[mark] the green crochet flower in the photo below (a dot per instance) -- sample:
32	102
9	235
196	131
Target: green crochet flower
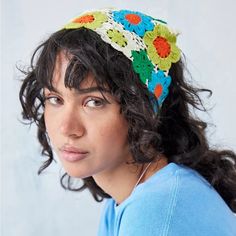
142	65
161	47
117	37
91	20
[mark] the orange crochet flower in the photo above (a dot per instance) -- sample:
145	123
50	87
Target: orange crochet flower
161	47
84	19
91	20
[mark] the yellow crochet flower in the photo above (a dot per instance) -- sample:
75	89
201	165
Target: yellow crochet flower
90	20
117	37
161	47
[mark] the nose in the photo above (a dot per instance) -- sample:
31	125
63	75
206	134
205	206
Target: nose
71	124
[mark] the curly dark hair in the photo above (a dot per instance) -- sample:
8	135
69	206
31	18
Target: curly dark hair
174	131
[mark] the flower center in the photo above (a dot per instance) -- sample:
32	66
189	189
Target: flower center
158	90
133	18
162	46
84	19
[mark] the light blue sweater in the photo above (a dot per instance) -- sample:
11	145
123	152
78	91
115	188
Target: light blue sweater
175	201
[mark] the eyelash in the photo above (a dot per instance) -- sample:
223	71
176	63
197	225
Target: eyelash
48	99
102	102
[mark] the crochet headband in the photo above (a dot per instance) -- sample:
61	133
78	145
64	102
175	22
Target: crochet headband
146	41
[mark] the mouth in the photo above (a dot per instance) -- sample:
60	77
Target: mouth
72	154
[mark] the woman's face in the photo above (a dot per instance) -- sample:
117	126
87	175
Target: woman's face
88	134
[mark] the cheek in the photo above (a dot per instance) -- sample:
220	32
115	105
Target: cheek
47	119
113	133
50	124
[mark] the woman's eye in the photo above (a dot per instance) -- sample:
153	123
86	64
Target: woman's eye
92	102
53	100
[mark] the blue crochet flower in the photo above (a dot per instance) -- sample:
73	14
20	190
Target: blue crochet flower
134	21
159	85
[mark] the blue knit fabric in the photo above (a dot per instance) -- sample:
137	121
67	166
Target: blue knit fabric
175	201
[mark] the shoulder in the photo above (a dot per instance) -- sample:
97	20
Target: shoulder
176	200
152	203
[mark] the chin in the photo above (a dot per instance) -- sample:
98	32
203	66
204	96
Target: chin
77	174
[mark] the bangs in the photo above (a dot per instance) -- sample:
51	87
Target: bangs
83	60
89	55
77	72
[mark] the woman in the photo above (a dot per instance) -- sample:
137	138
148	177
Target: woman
108	95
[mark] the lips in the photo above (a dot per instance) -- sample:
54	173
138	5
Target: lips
72	154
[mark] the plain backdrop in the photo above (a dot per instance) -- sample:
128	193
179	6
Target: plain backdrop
37	205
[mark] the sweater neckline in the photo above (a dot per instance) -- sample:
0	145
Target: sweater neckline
169	168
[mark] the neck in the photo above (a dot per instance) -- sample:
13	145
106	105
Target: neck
119	184
115	182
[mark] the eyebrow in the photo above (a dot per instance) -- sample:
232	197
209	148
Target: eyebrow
92	89
84	90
